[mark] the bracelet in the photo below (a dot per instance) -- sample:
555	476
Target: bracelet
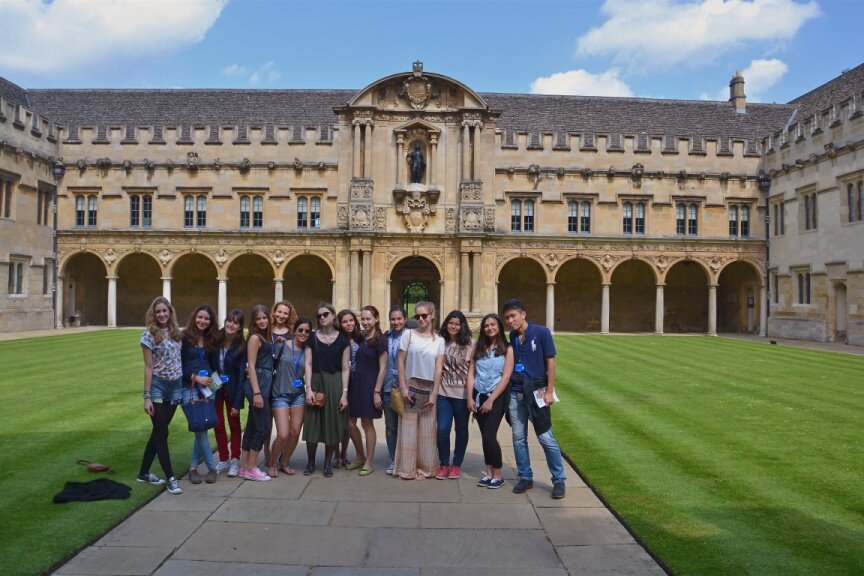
146	395
377	391
344	389
256	394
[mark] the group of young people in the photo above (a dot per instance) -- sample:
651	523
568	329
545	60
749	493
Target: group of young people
330	384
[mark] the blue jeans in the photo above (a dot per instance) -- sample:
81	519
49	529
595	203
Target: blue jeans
450	410
519	421
391	423
201	451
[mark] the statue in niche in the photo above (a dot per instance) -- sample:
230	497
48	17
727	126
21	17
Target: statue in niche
417	162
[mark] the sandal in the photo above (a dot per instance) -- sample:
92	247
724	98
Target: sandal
364	471
286	469
355	464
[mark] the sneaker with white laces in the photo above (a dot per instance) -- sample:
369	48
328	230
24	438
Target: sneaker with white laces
233	467
256	475
150	478
391	468
495	484
174	486
484	482
223	466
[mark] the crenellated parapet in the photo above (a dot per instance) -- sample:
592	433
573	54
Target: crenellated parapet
25	132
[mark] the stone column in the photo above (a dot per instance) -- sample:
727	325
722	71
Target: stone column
550	306
604	310
60	283
332	291
400	159
466	151
433	157
354	278
441	302
387	300
475	292
367	152
358	166
712	309
166	287
763	311
112	301
366	291
658	310
497	311
222	306
277	290
465	282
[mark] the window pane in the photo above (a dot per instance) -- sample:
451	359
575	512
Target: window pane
806	212
10	289
528	221
244	211
301	212
850	201
188	211
640	218
134	210
19	280
860	202
692	226
315	216
628	218
79	211
800	288
586	217
516	215
201	213
813	206
679	219
148	211
91	210
733	221
257	212
745	221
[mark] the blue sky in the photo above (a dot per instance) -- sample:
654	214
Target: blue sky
686	49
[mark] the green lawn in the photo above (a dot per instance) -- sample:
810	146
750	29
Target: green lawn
64	398
723	456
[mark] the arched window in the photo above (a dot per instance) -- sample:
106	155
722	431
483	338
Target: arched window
147	210
79	211
413	293
850	201
134	210
640	218
315	213
244	212
680	219
745	221
733	221
302	212
91	211
628	218
807	212
692	220
516	215
585	221
528	220
572	216
257	212
201	212
188	211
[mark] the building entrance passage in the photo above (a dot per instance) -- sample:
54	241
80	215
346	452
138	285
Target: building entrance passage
415	279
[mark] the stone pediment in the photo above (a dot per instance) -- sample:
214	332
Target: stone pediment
417	91
417	125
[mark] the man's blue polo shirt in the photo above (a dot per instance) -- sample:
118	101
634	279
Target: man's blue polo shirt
533	352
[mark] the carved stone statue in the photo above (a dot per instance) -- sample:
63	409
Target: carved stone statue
417	163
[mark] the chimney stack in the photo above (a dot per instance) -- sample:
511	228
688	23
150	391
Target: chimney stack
736	93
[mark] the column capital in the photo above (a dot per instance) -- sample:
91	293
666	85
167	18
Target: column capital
167	278
660	284
550	283
278	280
222	279
112	277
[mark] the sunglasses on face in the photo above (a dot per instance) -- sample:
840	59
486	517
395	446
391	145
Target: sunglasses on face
324	314
421	316
302	331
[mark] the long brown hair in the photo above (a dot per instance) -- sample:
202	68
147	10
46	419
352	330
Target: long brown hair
355	335
484	344
374	311
152	327
192	334
253	324
239	340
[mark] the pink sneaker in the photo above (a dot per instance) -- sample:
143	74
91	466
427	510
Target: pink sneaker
455	472
442	473
243	473
257	475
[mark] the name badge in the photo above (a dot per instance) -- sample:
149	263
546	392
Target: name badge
394	371
298	383
519	367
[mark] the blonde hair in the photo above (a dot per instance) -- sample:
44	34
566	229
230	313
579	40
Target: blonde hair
292	314
431	308
153	327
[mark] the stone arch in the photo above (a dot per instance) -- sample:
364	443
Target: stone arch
632	296
139	281
409	272
739	297
85	290
578	296
655	273
402	257
172	265
524	278
307	281
685	297
194	282
250	282
501	264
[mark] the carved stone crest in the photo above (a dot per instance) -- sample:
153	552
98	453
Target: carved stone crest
415	214
361	189
471	219
489	220
417	90
380	222
472	190
361	217
110	256
342	217
450	220
608	261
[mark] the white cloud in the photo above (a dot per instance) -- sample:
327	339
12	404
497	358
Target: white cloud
265	72
41	37
648	35
235	70
759	77
583	83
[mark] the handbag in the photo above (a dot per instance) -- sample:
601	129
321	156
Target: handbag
200	414
397	404
320	399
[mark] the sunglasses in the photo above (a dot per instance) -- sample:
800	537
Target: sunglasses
301	331
421	316
324	315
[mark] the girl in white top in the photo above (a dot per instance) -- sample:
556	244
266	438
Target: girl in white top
421	358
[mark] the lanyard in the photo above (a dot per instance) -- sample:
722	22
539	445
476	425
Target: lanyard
222	352
516	349
393	347
297	360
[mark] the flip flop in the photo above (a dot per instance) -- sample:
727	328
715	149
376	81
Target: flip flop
355	464
364	471
286	469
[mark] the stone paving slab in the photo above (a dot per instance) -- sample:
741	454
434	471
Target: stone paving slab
330	571
115	561
203	568
191	502
376	515
277	544
577	497
262	511
282	487
462	515
497	572
345	487
482	549
153	529
609	560
582	526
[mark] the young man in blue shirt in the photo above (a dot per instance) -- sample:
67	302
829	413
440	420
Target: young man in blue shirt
534	369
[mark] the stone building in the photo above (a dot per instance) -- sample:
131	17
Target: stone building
603	214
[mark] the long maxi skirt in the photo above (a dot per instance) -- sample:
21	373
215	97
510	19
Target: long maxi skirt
326	424
416	444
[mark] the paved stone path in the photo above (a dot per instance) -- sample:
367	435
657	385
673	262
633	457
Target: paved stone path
299	525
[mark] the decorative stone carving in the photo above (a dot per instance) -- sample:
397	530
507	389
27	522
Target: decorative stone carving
415	213
245	165
416	90
110	256
450	220
342	217
471	219
166	256
608	261
489	220
221	256
361	217
298	164
127	166
278	257
661	262
500	258
192	160
551	260
380	221
361	189
471	190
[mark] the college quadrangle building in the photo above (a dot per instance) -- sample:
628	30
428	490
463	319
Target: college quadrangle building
603	214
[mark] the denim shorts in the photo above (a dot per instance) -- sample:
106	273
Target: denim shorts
165	390
288	400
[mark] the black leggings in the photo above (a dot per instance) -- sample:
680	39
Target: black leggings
489	424
157	445
257	427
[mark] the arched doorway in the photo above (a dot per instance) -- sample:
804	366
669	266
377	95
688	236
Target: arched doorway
578	297
632	297
685	298
738	301
139	281
841	312
194	284
412	280
308	281
524	278
85	296
250	282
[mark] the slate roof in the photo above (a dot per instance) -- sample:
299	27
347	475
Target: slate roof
832	92
13	93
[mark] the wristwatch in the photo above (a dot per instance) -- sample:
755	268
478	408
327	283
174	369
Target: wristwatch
146	395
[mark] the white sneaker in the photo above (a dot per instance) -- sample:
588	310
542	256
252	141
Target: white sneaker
174	486
223	466
233	467
391	468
